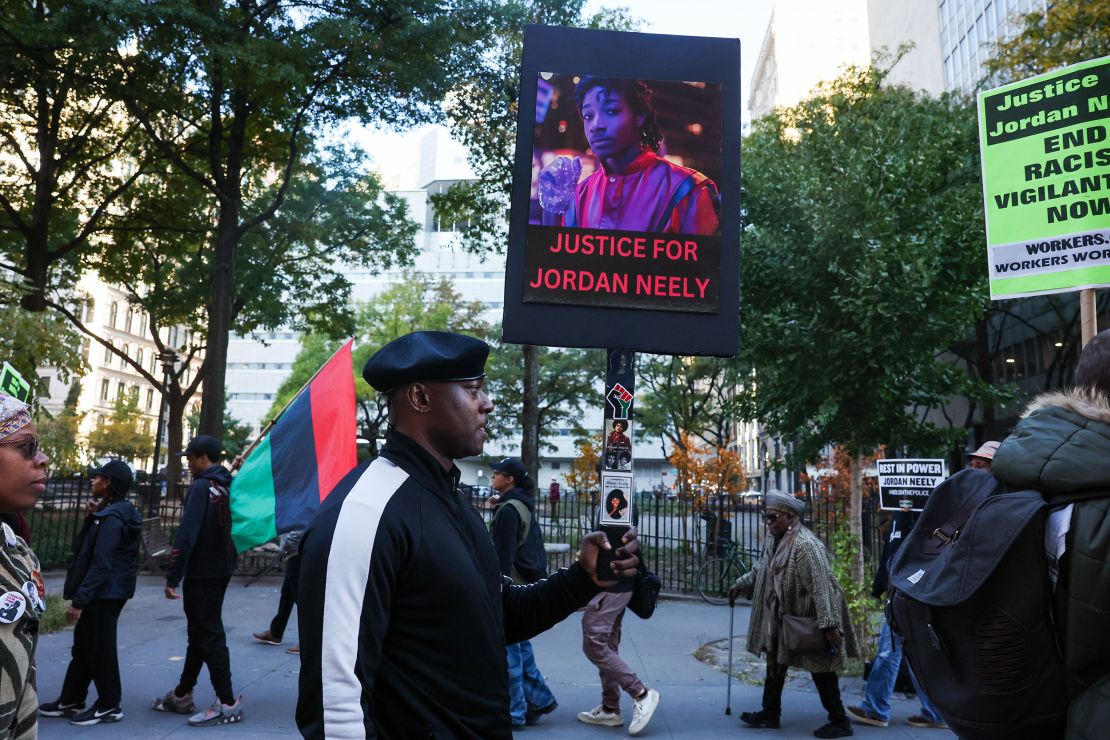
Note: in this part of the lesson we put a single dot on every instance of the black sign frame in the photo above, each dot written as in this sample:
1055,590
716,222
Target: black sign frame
630,56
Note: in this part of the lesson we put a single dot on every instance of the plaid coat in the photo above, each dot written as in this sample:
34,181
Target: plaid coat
809,590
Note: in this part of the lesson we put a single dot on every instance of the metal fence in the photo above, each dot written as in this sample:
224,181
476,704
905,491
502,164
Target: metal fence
676,538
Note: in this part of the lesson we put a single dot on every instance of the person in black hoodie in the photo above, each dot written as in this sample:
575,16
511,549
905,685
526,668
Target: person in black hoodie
204,556
98,584
520,552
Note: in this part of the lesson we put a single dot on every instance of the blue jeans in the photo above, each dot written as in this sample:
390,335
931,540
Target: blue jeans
527,689
884,672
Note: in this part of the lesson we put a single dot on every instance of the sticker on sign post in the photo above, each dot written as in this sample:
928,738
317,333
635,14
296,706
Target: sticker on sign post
616,503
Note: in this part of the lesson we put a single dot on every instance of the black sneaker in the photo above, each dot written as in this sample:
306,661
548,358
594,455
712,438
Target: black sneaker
843,728
94,715
60,709
532,714
760,719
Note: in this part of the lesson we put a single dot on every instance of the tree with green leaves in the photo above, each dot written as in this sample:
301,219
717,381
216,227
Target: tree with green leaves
862,262
232,94
59,434
1064,32
69,151
122,434
689,398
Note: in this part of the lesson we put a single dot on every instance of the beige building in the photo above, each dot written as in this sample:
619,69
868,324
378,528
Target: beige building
107,314
892,23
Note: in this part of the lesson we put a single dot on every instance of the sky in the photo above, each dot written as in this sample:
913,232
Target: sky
743,19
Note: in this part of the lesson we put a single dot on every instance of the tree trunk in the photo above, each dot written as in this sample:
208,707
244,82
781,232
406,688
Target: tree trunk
855,516
530,414
220,302
175,430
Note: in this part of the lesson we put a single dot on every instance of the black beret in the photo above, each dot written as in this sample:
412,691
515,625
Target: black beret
426,356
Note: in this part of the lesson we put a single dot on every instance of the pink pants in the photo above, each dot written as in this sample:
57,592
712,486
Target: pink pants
601,638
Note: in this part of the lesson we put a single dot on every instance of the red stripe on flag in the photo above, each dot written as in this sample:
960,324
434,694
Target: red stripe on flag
332,394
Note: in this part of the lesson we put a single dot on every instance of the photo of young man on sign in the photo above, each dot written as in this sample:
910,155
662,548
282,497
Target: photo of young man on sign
631,186
624,208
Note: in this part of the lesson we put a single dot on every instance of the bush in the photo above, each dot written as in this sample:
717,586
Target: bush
54,618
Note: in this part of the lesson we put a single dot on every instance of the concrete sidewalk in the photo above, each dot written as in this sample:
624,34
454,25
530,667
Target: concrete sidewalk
661,651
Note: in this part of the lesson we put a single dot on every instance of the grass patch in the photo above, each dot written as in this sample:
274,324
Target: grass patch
54,618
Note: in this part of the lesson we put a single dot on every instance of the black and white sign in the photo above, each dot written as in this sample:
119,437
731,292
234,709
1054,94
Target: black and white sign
906,484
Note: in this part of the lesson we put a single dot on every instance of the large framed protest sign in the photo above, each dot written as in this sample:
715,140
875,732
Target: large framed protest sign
1046,181
625,220
906,484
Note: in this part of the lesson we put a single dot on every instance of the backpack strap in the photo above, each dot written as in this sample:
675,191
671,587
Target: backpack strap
687,186
525,518
949,531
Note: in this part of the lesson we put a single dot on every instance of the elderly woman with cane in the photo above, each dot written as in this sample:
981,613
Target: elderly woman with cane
22,601
799,616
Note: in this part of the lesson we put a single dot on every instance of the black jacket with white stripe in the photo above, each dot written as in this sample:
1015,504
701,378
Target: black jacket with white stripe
403,613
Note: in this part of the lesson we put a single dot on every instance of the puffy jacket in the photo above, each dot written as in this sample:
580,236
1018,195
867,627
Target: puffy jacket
202,547
105,556
1061,447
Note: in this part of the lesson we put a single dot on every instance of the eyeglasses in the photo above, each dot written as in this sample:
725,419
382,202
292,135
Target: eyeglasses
28,445
772,518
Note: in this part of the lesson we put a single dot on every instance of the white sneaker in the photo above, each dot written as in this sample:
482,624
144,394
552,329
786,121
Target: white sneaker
599,716
642,709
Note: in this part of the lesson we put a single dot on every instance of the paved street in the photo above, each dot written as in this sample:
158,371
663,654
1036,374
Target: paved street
152,644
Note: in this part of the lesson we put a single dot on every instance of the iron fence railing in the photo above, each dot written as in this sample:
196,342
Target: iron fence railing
676,537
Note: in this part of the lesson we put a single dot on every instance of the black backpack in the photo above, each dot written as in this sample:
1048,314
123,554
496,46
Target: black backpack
971,597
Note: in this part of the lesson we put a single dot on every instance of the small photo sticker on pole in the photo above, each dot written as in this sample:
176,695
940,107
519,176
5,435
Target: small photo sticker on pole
616,503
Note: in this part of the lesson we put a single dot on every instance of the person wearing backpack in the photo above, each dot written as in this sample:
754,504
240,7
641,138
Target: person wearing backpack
1061,447
520,552
204,556
99,582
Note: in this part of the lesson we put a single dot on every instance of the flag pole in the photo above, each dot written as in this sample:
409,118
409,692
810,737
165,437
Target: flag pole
242,457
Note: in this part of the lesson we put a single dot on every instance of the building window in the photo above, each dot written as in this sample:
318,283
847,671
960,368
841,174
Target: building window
120,391
129,320
139,356
90,310
149,398
112,312
127,353
104,390
142,324
108,352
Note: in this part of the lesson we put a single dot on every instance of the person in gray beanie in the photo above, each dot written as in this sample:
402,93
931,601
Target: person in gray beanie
793,579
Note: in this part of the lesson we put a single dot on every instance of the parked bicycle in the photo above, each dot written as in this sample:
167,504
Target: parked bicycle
714,577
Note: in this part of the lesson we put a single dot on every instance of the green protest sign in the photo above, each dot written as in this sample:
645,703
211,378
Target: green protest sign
1045,145
12,383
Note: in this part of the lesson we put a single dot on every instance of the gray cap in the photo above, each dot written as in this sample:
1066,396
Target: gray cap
782,502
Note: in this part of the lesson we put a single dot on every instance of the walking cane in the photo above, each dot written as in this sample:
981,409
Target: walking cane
728,694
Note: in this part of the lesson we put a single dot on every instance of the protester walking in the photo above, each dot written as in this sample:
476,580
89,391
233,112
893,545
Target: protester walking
98,584
290,544
204,557
601,642
520,553
799,616
22,594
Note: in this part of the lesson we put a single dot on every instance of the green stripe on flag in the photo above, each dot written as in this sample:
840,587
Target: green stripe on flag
252,500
